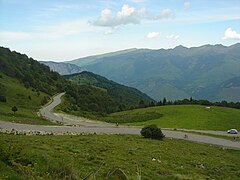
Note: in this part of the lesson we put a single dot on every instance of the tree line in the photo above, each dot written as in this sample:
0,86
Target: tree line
190,101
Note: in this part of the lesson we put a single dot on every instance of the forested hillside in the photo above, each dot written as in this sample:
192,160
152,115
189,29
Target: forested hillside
125,95
29,72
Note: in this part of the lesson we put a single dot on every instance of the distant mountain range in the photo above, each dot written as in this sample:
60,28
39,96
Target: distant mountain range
63,68
207,72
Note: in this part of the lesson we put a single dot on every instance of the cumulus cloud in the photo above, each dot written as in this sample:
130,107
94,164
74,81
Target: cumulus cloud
231,34
186,5
105,18
151,35
128,15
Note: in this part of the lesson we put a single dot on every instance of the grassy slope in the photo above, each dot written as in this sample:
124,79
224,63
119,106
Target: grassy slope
184,116
17,95
51,157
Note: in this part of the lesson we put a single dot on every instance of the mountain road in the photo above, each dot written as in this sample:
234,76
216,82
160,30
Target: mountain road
78,125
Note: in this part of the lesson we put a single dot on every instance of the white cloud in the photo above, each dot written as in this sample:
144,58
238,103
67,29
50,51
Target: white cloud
151,35
186,5
14,35
173,37
105,18
129,15
231,34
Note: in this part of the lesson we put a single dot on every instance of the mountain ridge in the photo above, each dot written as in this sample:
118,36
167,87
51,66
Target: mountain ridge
188,72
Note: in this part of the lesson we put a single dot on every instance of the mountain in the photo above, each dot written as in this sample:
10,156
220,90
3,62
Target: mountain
27,84
62,68
92,59
123,94
198,72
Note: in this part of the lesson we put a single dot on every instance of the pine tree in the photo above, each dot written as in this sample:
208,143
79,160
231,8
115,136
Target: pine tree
164,101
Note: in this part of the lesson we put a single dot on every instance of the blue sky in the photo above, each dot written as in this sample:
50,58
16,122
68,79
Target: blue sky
64,30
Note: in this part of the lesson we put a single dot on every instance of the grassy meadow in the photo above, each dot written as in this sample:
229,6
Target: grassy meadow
100,156
181,116
27,101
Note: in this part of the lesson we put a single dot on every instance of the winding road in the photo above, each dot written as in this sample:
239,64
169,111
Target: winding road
79,125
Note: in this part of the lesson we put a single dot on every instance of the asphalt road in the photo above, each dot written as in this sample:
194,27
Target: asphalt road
76,125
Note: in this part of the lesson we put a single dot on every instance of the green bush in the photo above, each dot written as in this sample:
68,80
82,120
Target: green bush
152,131
14,109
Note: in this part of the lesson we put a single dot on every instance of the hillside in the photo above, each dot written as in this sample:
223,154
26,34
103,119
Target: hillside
198,72
181,116
27,84
29,72
123,94
27,101
62,68
54,157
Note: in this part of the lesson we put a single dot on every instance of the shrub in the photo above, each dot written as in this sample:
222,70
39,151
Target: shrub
152,131
14,109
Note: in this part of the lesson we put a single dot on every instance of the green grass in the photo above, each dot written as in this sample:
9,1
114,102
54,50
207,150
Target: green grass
182,116
76,157
17,95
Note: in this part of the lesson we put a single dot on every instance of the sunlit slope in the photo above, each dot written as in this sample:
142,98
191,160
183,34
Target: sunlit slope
182,116
27,101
